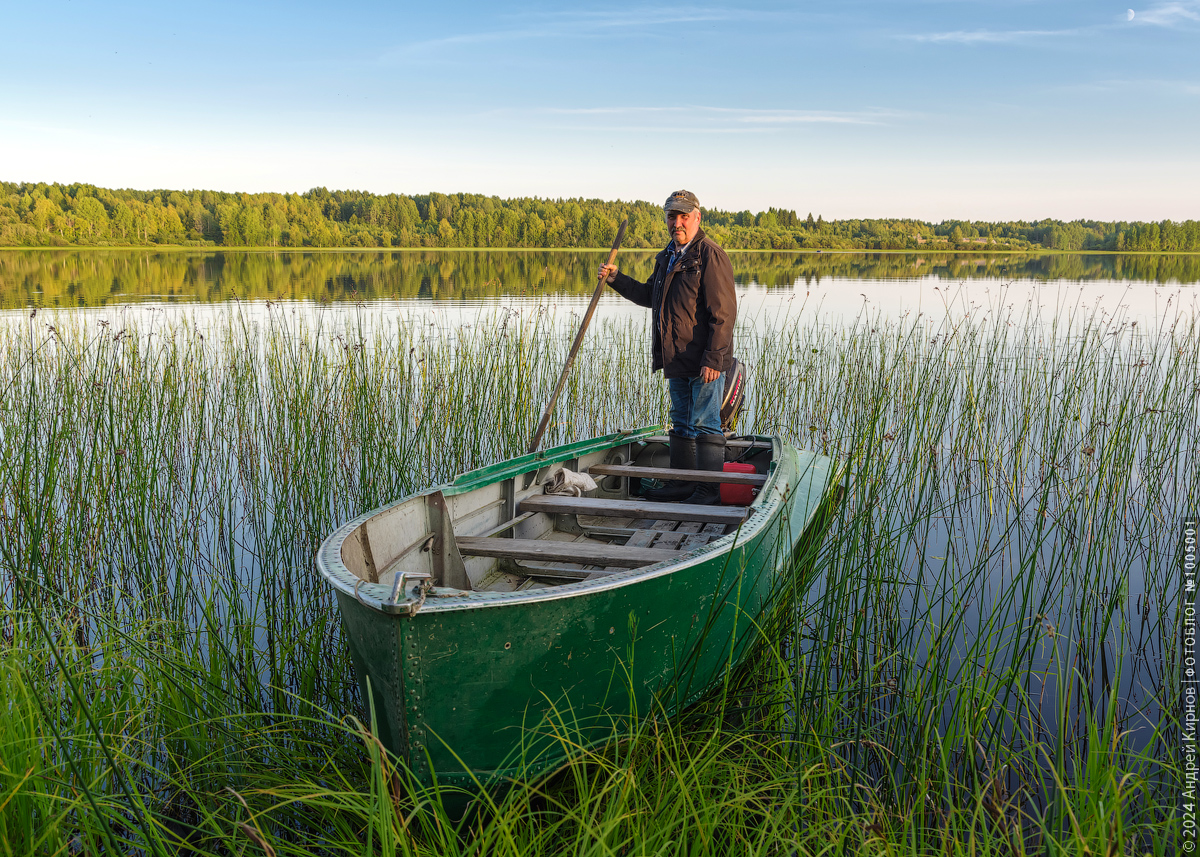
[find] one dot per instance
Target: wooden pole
(587, 318)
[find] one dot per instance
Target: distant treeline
(71, 278)
(54, 215)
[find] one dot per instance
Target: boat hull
(490, 688)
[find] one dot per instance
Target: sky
(974, 109)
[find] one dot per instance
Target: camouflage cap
(681, 200)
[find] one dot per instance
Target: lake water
(458, 285)
(449, 289)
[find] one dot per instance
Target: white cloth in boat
(569, 482)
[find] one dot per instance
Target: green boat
(493, 625)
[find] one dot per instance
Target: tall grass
(997, 615)
(982, 657)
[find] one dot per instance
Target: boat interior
(512, 535)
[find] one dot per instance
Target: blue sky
(939, 109)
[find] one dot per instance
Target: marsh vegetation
(981, 658)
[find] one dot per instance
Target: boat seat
(727, 477)
(559, 504)
(584, 553)
(732, 442)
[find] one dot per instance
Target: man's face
(683, 227)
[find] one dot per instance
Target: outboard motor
(735, 395)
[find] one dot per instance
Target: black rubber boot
(710, 455)
(683, 457)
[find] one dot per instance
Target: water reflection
(95, 278)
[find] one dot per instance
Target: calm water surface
(449, 289)
(458, 286)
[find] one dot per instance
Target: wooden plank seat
(680, 475)
(558, 504)
(584, 553)
(732, 443)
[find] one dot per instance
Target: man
(693, 306)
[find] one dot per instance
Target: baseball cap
(681, 200)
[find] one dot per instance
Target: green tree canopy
(39, 214)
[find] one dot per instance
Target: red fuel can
(737, 495)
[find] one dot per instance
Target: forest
(64, 215)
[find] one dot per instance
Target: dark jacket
(693, 309)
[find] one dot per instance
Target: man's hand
(607, 273)
(708, 374)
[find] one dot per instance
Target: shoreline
(175, 248)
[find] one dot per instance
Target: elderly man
(693, 306)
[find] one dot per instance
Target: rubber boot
(710, 455)
(683, 457)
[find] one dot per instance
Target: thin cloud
(1169, 14)
(743, 115)
(805, 117)
(461, 40)
(645, 17)
(976, 37)
(1184, 87)
(712, 120)
(674, 130)
(563, 24)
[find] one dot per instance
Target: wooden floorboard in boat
(670, 541)
(555, 503)
(639, 539)
(556, 573)
(587, 521)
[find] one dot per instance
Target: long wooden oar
(587, 317)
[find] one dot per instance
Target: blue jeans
(696, 406)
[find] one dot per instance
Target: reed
(982, 654)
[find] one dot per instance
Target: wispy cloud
(975, 37)
(817, 117)
(646, 16)
(572, 23)
(1169, 14)
(461, 40)
(1166, 13)
(1183, 87)
(747, 115)
(705, 119)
